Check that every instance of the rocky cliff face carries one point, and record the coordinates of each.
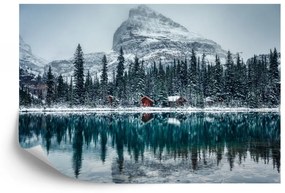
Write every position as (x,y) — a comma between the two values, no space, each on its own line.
(146,33)
(28,61)
(151,36)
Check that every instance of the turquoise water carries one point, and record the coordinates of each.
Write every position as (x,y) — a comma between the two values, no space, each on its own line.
(158,147)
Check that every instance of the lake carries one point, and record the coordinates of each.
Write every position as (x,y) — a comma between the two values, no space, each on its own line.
(158,147)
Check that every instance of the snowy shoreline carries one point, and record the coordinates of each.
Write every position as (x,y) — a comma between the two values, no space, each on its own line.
(145,110)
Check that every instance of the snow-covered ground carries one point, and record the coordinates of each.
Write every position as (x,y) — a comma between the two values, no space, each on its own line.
(146,110)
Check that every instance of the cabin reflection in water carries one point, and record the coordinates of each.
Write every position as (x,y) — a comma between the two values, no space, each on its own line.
(168,143)
(146,117)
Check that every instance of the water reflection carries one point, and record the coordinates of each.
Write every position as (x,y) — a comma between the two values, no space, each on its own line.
(161,143)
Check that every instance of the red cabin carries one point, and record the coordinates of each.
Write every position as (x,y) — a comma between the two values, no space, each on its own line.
(146,101)
(112,100)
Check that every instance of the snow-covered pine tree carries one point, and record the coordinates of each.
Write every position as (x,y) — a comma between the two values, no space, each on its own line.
(169,79)
(104,81)
(192,83)
(88,89)
(96,90)
(252,98)
(275,78)
(25,97)
(162,94)
(175,80)
(120,76)
(70,93)
(135,79)
(184,77)
(129,84)
(153,73)
(200,90)
(66,91)
(112,84)
(141,80)
(79,91)
(179,77)
(60,90)
(273,66)
(204,74)
(239,82)
(264,81)
(125,99)
(50,88)
(229,79)
(218,79)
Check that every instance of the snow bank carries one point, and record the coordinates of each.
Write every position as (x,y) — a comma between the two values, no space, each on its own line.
(146,110)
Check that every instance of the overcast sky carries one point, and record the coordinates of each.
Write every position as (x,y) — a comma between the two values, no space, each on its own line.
(53,31)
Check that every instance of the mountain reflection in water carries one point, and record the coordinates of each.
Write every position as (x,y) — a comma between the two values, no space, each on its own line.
(158,147)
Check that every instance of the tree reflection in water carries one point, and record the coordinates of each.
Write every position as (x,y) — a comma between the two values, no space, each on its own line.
(193,137)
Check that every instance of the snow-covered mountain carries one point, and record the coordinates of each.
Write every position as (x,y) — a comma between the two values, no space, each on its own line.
(152,36)
(92,63)
(147,34)
(28,61)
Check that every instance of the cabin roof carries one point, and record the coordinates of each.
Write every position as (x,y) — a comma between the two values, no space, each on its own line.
(208,99)
(147,98)
(174,98)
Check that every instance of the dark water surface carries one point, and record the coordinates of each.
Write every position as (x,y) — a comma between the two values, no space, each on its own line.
(158,147)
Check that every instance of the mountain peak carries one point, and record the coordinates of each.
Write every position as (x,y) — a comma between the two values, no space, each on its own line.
(153,36)
(143,11)
(151,19)
(24,46)
(28,61)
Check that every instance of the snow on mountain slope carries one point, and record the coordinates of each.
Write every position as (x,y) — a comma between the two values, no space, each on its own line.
(28,61)
(149,35)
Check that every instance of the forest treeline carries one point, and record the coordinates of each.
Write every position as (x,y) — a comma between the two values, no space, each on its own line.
(254,84)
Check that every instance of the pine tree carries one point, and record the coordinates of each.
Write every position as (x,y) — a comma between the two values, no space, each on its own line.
(274,94)
(25,97)
(200,90)
(129,84)
(50,87)
(264,82)
(175,80)
(179,77)
(78,62)
(125,86)
(141,80)
(112,90)
(243,82)
(192,84)
(120,76)
(88,89)
(60,89)
(204,75)
(184,77)
(70,93)
(153,81)
(162,94)
(218,78)
(104,80)
(273,66)
(136,81)
(169,80)
(252,97)
(229,79)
